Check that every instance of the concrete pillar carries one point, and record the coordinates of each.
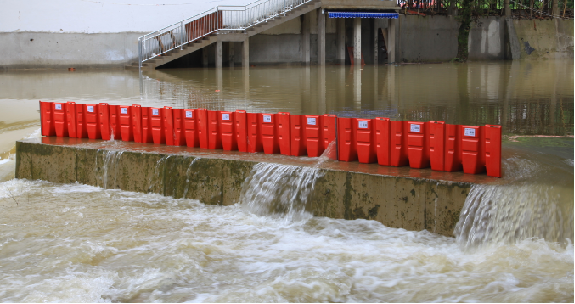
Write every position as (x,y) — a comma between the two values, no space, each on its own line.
(507,9)
(205,56)
(219,54)
(305,43)
(321,106)
(246,53)
(357,41)
(320,37)
(247,84)
(231,55)
(219,81)
(305,84)
(375,41)
(341,99)
(391,40)
(340,30)
(357,69)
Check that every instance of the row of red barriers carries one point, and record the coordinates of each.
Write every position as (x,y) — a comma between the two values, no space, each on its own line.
(443,147)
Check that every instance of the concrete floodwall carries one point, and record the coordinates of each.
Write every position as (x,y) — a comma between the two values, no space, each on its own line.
(403,202)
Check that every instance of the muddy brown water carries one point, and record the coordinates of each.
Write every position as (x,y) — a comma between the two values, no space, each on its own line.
(76,243)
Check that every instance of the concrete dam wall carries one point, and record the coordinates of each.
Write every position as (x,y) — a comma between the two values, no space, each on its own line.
(400,197)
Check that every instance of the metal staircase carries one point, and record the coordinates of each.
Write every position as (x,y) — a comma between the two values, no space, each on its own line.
(223,23)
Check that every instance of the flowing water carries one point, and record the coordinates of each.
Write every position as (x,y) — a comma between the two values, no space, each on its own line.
(513,243)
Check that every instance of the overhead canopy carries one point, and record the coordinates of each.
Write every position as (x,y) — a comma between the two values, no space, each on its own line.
(363,15)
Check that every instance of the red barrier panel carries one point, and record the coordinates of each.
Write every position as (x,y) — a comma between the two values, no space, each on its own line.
(47,119)
(452,161)
(382,140)
(228,130)
(190,124)
(125,117)
(81,131)
(71,118)
(493,150)
(104,120)
(270,133)
(115,125)
(418,144)
(298,139)
(437,151)
(329,135)
(136,122)
(157,125)
(471,149)
(168,120)
(347,146)
(202,123)
(179,138)
(214,133)
(398,144)
(254,133)
(60,119)
(284,139)
(365,141)
(313,127)
(241,130)
(92,121)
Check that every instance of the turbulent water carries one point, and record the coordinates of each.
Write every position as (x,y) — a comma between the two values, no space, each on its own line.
(513,242)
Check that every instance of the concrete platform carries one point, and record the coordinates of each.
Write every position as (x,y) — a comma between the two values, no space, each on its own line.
(413,199)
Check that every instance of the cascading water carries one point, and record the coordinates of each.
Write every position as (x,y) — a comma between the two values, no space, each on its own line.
(110,168)
(519,209)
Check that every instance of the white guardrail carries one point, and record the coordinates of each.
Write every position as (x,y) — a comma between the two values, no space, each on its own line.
(221,18)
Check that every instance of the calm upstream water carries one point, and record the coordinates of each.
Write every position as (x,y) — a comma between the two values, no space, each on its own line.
(513,243)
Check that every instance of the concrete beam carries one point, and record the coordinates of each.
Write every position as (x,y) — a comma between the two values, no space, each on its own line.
(389,195)
(357,41)
(340,30)
(305,39)
(320,37)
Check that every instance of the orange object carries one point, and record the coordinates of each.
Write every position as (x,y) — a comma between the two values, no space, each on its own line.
(398,144)
(284,139)
(418,144)
(126,126)
(298,138)
(313,125)
(104,120)
(47,119)
(241,130)
(493,150)
(81,131)
(471,149)
(190,125)
(179,138)
(365,141)
(254,133)
(214,134)
(157,125)
(382,140)
(346,132)
(168,120)
(329,134)
(227,124)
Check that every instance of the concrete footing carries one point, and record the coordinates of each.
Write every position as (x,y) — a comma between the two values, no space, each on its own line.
(406,198)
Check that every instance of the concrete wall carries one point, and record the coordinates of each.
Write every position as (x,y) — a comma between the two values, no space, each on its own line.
(403,202)
(544,39)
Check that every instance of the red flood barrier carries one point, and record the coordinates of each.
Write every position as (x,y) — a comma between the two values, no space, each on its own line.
(60,119)
(270,133)
(493,150)
(298,138)
(452,161)
(81,131)
(418,144)
(398,144)
(254,133)
(472,152)
(284,139)
(329,135)
(190,126)
(365,140)
(179,138)
(214,134)
(241,130)
(157,125)
(136,122)
(382,140)
(202,123)
(146,125)
(347,146)
(228,130)
(313,127)
(125,117)
(47,119)
(71,118)
(437,151)
(92,121)
(168,120)
(104,120)
(115,127)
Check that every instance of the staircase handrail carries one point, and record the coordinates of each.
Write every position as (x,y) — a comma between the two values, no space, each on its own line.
(220,18)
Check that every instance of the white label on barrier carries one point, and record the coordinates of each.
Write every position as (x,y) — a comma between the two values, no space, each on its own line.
(189,114)
(155,112)
(362,124)
(267,118)
(225,116)
(469,132)
(58,106)
(124,110)
(311,121)
(90,109)
(414,128)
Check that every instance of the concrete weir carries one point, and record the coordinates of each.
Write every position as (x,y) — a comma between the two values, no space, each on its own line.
(413,199)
